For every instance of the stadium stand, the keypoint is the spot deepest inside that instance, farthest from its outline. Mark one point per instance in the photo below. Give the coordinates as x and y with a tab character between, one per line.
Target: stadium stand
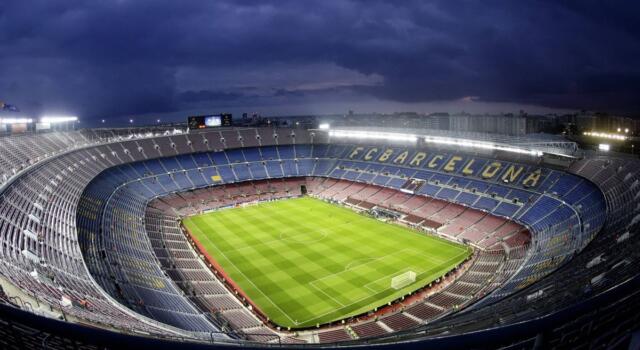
93	232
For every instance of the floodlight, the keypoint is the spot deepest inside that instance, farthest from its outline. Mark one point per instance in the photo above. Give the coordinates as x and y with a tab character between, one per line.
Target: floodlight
373	135
324	126
16	120
52	119
605	135
480	145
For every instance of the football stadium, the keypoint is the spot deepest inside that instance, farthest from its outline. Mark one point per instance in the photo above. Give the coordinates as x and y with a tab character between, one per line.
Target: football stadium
200	236
320	174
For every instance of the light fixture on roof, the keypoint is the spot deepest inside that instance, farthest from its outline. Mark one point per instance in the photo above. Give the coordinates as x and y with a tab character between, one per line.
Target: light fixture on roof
53	119
605	135
480	145
16	120
373	135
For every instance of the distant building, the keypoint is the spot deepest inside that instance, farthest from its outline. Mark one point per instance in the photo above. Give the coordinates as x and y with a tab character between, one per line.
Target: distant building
586	122
438	121
603	122
507	124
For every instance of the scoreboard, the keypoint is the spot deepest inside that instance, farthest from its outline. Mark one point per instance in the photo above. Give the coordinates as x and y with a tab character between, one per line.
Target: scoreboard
209	121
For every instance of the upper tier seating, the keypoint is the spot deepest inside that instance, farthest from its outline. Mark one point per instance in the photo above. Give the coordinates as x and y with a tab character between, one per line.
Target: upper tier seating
19	152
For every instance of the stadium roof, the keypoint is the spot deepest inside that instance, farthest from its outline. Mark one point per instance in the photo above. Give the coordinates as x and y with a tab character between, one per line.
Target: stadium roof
551	144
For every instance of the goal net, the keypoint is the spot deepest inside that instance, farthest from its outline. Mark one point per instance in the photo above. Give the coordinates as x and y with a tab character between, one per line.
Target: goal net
403	280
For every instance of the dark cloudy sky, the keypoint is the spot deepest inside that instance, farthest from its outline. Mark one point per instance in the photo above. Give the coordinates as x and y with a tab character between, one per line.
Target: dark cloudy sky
108	59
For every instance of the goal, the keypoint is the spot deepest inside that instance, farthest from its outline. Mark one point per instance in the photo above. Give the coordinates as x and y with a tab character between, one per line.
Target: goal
403	280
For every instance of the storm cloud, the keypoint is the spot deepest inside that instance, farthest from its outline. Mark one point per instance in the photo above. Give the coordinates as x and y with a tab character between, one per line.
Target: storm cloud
102	59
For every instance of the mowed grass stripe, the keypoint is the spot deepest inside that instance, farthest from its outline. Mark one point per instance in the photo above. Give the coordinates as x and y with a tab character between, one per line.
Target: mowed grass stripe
304	261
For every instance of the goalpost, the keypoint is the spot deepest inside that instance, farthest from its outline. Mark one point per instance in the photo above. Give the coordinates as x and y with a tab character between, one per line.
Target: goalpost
403	280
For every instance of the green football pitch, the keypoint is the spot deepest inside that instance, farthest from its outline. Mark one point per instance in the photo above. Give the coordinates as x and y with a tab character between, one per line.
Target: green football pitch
305	262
